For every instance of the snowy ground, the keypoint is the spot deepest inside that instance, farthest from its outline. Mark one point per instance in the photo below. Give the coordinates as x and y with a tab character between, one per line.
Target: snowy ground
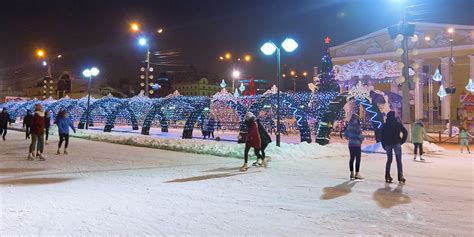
105	189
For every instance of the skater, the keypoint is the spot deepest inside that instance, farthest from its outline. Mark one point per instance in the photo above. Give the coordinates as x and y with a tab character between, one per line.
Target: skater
464	140
64	123
252	140
417	135
4	121
211	126
47	124
265	139
27	123
353	133
59	114
205	127
37	134
392	142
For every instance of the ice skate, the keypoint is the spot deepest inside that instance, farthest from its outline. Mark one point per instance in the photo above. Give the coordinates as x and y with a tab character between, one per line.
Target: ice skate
58	152
421	158
65	152
414	157
388	179
259	162
352	177
358	176
30	156
41	157
401	180
244	167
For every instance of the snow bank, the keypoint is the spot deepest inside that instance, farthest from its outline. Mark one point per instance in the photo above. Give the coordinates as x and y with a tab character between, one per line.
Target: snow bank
407	148
217	148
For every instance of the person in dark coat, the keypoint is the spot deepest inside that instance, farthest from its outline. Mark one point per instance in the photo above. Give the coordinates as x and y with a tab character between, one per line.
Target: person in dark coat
47	124
265	139
392	142
211	127
252	139
27	123
4	121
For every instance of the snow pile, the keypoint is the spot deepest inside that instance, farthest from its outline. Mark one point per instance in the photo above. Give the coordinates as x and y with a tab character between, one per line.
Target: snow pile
407	148
224	149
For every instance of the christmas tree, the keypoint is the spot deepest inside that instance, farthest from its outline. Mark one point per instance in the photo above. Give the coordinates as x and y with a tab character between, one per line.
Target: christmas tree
328	88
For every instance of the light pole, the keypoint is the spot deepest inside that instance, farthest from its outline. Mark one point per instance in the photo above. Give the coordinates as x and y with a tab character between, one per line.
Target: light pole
47	62
235	72
89	73
450	81
289	45
143	42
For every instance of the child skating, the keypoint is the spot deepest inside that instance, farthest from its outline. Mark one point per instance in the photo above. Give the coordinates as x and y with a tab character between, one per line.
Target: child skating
417	136
464	140
64	123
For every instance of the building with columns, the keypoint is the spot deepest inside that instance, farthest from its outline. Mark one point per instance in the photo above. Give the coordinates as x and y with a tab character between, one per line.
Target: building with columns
375	59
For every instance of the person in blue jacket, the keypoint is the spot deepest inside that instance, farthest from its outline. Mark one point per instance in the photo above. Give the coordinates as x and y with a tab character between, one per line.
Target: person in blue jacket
64	123
353	133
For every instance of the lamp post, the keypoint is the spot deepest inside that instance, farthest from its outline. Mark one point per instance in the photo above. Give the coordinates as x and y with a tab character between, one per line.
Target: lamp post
89	73
143	42
47	62
289	45
450	80
235	72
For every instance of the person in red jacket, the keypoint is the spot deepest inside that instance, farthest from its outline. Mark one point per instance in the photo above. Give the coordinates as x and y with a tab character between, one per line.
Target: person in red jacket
252	139
37	133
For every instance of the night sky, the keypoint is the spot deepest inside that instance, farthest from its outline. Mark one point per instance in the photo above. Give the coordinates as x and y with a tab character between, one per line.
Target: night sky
96	32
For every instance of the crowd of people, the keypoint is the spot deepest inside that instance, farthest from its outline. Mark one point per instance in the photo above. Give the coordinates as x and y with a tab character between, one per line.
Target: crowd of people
37	124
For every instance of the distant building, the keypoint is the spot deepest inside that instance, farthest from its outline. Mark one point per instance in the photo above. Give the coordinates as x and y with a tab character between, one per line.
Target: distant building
202	87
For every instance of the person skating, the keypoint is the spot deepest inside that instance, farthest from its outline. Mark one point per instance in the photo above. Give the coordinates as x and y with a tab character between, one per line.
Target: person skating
252	139
353	133
64	123
27	123
37	134
464	140
4	121
417	136
211	126
47	125
392	142
265	139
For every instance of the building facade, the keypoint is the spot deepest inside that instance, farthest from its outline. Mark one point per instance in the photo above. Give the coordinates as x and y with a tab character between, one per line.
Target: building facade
375	59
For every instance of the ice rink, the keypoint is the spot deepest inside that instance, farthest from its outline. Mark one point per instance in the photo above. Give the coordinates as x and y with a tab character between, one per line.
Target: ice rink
103	189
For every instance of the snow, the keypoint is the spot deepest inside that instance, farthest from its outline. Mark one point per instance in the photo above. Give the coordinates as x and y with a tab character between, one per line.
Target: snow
212	147
104	189
407	148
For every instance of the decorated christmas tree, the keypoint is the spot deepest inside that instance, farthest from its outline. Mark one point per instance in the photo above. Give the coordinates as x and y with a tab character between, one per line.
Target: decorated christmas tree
328	88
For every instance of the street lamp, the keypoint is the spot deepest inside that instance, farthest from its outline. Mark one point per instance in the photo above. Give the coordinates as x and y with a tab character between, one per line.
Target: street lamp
89	73
450	81
289	45
228	57
143	42
135	27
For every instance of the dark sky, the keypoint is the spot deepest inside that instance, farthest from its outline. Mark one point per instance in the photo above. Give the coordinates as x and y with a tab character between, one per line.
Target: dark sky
96	31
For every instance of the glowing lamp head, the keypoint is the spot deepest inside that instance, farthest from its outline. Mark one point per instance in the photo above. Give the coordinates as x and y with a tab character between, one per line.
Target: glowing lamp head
236	74
268	48
142	41
289	45
94	71
247	58
451	30
159	31
45	63
227	56
40	53
134	27
86	73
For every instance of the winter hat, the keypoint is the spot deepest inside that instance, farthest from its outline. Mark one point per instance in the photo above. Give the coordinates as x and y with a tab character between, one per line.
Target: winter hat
249	115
